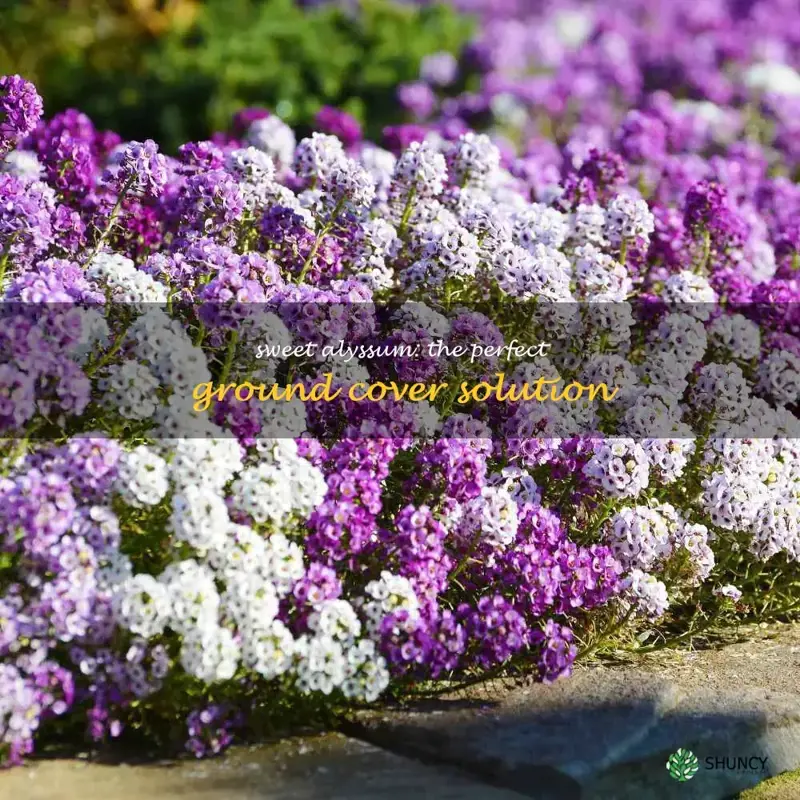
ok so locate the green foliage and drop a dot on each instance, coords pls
(185, 83)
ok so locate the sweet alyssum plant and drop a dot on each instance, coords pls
(164, 566)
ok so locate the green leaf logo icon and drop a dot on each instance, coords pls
(682, 765)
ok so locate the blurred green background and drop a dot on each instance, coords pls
(176, 70)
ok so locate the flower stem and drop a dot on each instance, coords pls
(90, 369)
(459, 568)
(406, 213)
(706, 250)
(112, 219)
(18, 450)
(5, 256)
(606, 635)
(229, 354)
(326, 229)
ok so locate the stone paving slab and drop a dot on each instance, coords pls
(606, 733)
(331, 767)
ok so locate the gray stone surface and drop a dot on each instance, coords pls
(606, 733)
(331, 767)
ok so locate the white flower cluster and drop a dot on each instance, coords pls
(735, 335)
(649, 410)
(209, 463)
(492, 515)
(414, 314)
(755, 489)
(255, 171)
(325, 663)
(210, 654)
(141, 605)
(680, 338)
(271, 493)
(691, 292)
(378, 245)
(283, 418)
(541, 271)
(248, 565)
(620, 467)
(161, 343)
(450, 247)
(668, 458)
(600, 278)
(589, 225)
(628, 219)
(142, 478)
(420, 173)
(720, 389)
(283, 562)
(776, 528)
(24, 164)
(334, 657)
(220, 632)
(387, 595)
(473, 159)
(199, 517)
(274, 137)
(779, 376)
(348, 186)
(639, 537)
(539, 224)
(130, 389)
(694, 538)
(250, 164)
(647, 594)
(648, 538)
(125, 283)
(744, 456)
(732, 498)
(317, 156)
(193, 598)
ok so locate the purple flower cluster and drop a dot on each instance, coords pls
(140, 169)
(346, 521)
(60, 539)
(41, 373)
(562, 63)
(211, 730)
(555, 575)
(20, 110)
(416, 549)
(340, 124)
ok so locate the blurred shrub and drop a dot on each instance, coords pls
(176, 70)
(37, 36)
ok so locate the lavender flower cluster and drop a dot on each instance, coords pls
(600, 74)
(151, 554)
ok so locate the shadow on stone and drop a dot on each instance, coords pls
(605, 735)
